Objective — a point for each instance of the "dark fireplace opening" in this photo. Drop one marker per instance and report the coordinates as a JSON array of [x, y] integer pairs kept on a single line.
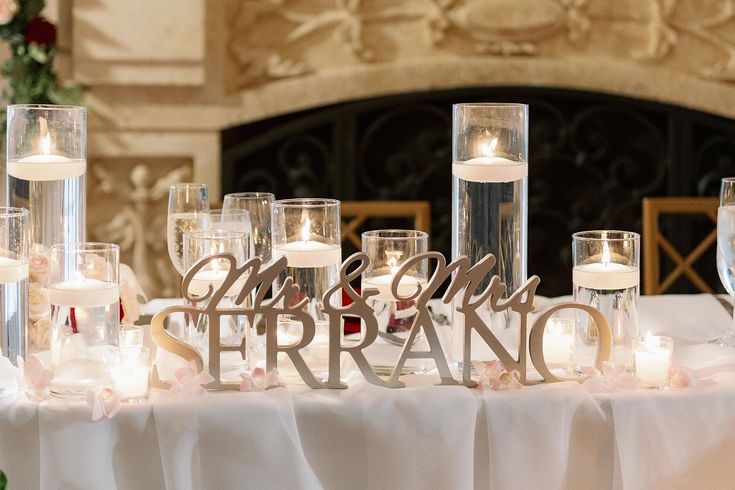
[[593, 157]]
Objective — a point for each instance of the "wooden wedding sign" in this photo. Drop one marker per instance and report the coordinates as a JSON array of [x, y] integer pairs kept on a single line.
[[461, 291]]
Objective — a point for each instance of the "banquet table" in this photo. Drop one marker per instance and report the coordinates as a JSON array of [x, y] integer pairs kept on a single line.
[[423, 436]]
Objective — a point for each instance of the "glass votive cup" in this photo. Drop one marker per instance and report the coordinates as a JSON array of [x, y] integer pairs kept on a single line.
[[131, 368], [606, 276], [652, 355], [559, 343], [131, 336]]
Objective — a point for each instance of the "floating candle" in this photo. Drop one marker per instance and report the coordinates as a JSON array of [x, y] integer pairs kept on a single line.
[[201, 281], [46, 167], [406, 286], [84, 293], [490, 169], [12, 270]]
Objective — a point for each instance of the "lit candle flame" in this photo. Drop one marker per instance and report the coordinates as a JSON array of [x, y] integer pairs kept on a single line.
[[393, 264], [605, 254], [46, 138], [488, 148], [305, 233]]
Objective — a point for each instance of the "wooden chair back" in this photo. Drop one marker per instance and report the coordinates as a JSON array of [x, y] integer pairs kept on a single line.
[[654, 240], [356, 213]]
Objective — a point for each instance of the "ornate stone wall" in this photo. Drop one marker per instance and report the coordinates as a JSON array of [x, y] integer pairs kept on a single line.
[[166, 77]]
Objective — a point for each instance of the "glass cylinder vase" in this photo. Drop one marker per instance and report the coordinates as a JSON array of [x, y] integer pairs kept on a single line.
[[388, 250], [14, 282], [85, 315], [46, 167], [489, 207], [199, 245], [307, 233], [606, 275]]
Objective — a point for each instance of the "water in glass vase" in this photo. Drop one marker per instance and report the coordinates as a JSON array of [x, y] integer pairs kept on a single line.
[[620, 308], [54, 195], [84, 326], [489, 218], [14, 309], [313, 282]]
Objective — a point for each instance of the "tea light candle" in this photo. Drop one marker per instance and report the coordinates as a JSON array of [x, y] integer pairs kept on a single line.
[[131, 373], [308, 252], [605, 275], [559, 341], [84, 293], [653, 360], [490, 168], [199, 284], [12, 270]]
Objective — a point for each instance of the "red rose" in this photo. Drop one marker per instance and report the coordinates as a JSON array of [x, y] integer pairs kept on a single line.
[[40, 31]]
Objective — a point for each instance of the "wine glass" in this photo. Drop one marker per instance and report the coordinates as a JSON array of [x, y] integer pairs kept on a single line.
[[258, 204], [726, 248], [188, 210]]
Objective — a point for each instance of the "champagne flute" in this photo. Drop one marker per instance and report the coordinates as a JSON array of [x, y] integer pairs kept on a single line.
[[726, 248], [258, 204], [188, 210]]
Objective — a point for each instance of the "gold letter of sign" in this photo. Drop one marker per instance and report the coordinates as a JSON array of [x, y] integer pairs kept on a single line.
[[536, 341], [358, 307]]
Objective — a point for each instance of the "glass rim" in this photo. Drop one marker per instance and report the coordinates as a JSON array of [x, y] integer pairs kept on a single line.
[[394, 234], [10, 211], [249, 195], [728, 179], [490, 104], [596, 235], [660, 339], [307, 202], [188, 185], [215, 234], [49, 107], [73, 247], [234, 211]]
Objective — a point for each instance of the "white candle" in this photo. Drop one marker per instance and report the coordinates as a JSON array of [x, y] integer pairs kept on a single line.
[[131, 382], [46, 167], [406, 286], [490, 169], [309, 253], [558, 342], [605, 276], [652, 361], [201, 281], [84, 293], [12, 270]]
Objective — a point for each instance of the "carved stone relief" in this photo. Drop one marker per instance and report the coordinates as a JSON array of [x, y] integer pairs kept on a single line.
[[275, 39], [131, 205]]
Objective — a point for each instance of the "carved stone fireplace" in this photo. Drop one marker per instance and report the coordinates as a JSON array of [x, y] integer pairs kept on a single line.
[[165, 101]]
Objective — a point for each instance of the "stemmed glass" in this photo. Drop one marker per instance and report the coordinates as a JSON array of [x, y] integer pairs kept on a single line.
[[188, 211], [726, 248], [258, 205], [231, 220]]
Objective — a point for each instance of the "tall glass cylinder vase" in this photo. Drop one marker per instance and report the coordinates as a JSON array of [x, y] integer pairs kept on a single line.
[[85, 315], [307, 233], [606, 275], [46, 166], [489, 207], [14, 282]]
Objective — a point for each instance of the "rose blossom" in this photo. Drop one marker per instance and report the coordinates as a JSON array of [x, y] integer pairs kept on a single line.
[[40, 333], [95, 267], [8, 8], [129, 303], [38, 264], [39, 302], [40, 31]]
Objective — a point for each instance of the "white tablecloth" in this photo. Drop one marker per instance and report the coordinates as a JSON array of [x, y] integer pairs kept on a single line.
[[423, 436]]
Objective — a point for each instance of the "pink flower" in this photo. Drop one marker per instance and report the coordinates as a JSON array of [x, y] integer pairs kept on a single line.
[[40, 333], [8, 8], [492, 374], [95, 267], [36, 378], [612, 378], [189, 382], [682, 377], [258, 380], [104, 403], [38, 264]]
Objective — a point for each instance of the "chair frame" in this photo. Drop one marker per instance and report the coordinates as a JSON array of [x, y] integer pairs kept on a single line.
[[653, 208], [357, 212]]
